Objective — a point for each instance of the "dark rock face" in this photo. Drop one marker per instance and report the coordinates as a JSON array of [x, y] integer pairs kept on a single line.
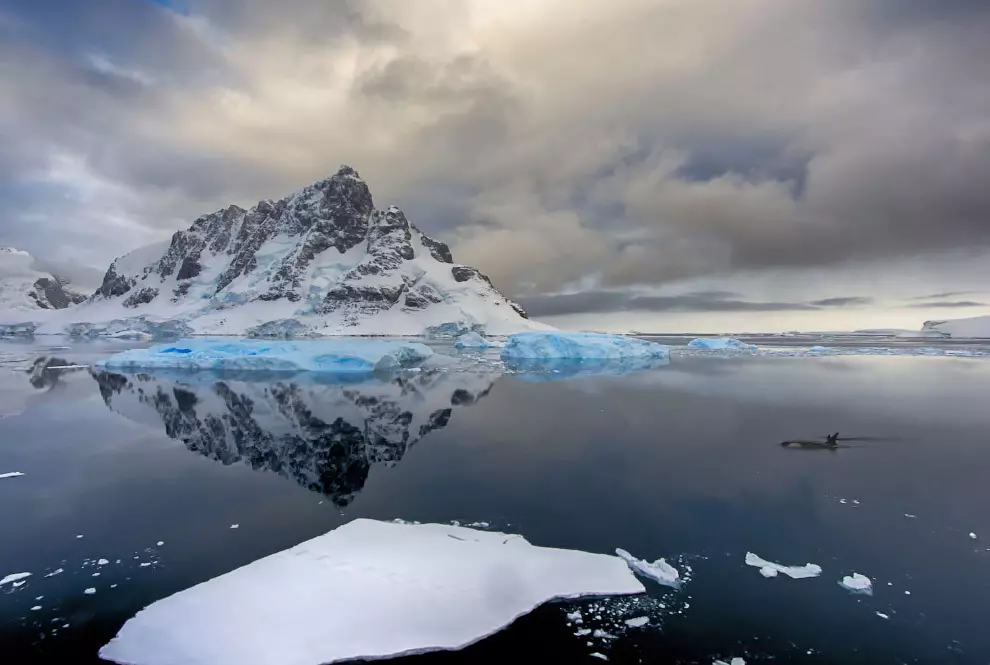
[[51, 293], [145, 295], [365, 424], [115, 284], [438, 250]]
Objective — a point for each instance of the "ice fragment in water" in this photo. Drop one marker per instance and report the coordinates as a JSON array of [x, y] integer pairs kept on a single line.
[[721, 344], [160, 543], [90, 591], [882, 615], [36, 608], [102, 562], [369, 590], [734, 661], [235, 526], [14, 577], [11, 474], [659, 571], [599, 656], [770, 569], [857, 583], [637, 622], [472, 340], [561, 345], [972, 535]]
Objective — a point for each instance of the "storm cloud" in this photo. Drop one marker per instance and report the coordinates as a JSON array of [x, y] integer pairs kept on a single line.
[[631, 143]]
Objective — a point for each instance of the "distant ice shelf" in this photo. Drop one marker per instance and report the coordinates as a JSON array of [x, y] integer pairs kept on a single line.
[[336, 356], [367, 590]]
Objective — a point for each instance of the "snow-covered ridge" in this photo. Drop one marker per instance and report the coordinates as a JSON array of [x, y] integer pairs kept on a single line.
[[322, 261], [324, 436], [24, 289]]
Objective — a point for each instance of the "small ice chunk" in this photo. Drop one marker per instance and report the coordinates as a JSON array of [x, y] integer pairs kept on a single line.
[[113, 586], [795, 572], [11, 474], [366, 590], [57, 571], [17, 584], [478, 525], [558, 344], [36, 608], [910, 515], [160, 543], [96, 574], [90, 591], [145, 564], [79, 536], [575, 616], [637, 622], [39, 597], [599, 656], [882, 615], [102, 562], [734, 661], [235, 526], [14, 577], [721, 344], [602, 635], [659, 571], [582, 632], [472, 340], [972, 535], [857, 583]]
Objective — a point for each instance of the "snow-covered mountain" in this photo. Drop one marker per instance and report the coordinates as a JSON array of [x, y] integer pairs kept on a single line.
[[977, 326], [322, 261], [324, 437], [24, 288]]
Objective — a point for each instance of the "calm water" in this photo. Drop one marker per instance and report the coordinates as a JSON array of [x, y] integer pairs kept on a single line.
[[682, 462]]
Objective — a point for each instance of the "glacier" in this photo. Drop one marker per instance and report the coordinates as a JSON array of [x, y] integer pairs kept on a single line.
[[366, 590], [341, 356], [565, 345], [721, 344]]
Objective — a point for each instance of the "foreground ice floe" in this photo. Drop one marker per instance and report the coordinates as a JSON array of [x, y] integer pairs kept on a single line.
[[721, 344], [659, 571], [857, 583], [367, 589], [771, 569], [14, 577], [337, 356], [564, 345]]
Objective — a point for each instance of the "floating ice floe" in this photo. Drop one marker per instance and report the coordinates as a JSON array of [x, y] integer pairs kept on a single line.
[[11, 474], [637, 622], [857, 583], [721, 344], [90, 591], [561, 345], [472, 340], [14, 577], [734, 661], [367, 589], [335, 356], [659, 571], [771, 569]]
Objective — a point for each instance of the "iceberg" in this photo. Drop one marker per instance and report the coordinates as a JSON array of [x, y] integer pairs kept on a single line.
[[472, 340], [561, 345], [721, 344], [336, 356], [857, 584], [365, 590], [977, 327], [771, 569]]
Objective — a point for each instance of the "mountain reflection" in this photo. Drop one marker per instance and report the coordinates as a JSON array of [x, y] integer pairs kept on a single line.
[[323, 436]]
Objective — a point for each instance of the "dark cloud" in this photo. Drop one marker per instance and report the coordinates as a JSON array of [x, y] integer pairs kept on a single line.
[[939, 296], [950, 304], [846, 301]]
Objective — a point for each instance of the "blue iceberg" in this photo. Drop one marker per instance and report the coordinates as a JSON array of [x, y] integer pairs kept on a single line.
[[721, 344], [347, 356], [559, 345], [472, 340]]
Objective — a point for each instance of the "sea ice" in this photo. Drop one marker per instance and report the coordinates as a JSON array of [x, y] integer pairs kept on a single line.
[[367, 589], [857, 583], [11, 474], [344, 356], [771, 569], [472, 340], [721, 344], [659, 571], [637, 622], [90, 591], [734, 661], [14, 577], [561, 345]]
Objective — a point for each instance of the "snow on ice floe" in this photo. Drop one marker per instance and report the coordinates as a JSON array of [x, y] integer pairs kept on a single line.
[[771, 569], [11, 474], [472, 340], [659, 571], [14, 577], [564, 345], [721, 344], [857, 583], [335, 356], [367, 589]]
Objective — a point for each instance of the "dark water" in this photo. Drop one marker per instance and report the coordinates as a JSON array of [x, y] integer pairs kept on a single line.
[[681, 461]]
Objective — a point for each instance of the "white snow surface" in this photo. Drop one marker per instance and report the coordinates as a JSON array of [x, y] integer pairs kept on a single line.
[[367, 589], [568, 345], [18, 273], [974, 327], [857, 583], [659, 571], [338, 356], [472, 340], [721, 344], [771, 569]]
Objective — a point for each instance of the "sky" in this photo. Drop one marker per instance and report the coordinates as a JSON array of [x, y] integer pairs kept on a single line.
[[665, 165]]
